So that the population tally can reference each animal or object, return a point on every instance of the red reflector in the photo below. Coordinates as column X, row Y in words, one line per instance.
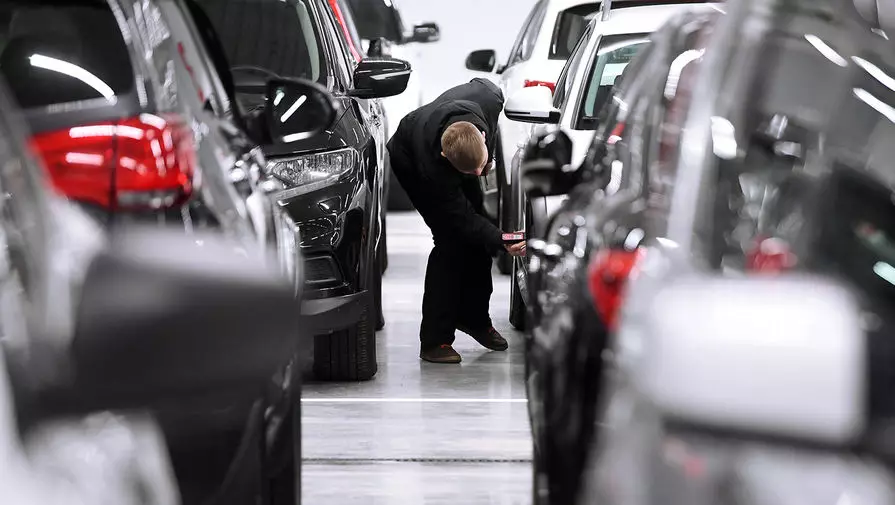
column 770, row 256
column 146, row 162
column 608, row 274
column 533, row 84
column 616, row 134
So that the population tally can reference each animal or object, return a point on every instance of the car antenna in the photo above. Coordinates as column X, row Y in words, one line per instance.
column 605, row 7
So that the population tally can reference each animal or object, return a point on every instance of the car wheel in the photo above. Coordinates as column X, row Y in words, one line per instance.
column 350, row 355
column 380, row 317
column 504, row 209
column 383, row 248
column 517, row 304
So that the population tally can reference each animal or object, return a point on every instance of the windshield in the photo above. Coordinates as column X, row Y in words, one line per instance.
column 614, row 54
column 570, row 25
column 264, row 37
column 377, row 19
column 54, row 52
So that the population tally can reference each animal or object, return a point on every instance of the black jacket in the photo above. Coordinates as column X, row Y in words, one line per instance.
column 449, row 201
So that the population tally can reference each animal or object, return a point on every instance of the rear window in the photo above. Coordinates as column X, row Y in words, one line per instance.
column 377, row 19
column 263, row 37
column 54, row 52
column 570, row 25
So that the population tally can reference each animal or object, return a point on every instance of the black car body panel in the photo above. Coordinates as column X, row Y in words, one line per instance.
column 169, row 71
column 340, row 217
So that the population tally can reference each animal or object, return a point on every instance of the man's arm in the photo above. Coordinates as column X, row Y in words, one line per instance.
column 449, row 211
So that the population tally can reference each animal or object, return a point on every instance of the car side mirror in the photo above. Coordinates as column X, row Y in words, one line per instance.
column 380, row 78
column 546, row 168
column 425, row 33
column 532, row 105
column 780, row 357
column 484, row 60
column 296, row 109
column 163, row 319
column 379, row 48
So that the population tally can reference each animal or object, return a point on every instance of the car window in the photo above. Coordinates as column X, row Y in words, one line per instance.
column 570, row 26
column 269, row 36
column 194, row 53
column 349, row 28
column 527, row 45
column 567, row 76
column 377, row 19
column 523, row 33
column 57, row 52
column 614, row 53
column 345, row 64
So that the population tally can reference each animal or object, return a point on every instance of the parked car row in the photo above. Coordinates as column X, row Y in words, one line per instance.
column 708, row 313
column 186, row 213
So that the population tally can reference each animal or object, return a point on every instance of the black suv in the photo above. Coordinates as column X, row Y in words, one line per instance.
column 330, row 185
column 137, row 122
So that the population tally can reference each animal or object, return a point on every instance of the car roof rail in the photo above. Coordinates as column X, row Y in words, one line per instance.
column 606, row 6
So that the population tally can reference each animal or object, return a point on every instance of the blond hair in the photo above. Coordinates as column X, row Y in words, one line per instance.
column 461, row 144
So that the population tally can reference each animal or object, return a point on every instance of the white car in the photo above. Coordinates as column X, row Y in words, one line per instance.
column 608, row 45
column 543, row 45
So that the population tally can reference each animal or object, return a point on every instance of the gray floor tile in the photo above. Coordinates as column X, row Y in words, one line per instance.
column 421, row 433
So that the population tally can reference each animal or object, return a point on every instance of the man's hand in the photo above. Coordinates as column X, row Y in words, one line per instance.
column 487, row 169
column 517, row 249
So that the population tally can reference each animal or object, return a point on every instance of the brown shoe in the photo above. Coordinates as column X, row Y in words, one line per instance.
column 441, row 354
column 489, row 338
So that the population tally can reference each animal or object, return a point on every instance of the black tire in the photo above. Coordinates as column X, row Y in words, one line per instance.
column 380, row 316
column 517, row 304
column 397, row 197
column 383, row 248
column 348, row 355
column 504, row 208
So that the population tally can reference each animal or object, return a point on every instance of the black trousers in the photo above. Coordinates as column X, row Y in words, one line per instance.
column 458, row 277
column 457, row 292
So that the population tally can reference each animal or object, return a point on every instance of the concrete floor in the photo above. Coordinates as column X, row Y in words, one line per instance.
column 419, row 432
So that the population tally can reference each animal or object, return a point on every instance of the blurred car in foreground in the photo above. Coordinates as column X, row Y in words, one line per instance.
column 140, row 322
column 608, row 45
column 382, row 31
column 330, row 185
column 705, row 176
column 162, row 141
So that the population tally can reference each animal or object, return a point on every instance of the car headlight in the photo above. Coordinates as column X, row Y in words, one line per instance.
column 311, row 168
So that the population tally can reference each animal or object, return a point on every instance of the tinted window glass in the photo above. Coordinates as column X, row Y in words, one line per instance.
column 377, row 19
column 570, row 25
column 59, row 52
column 272, row 36
column 530, row 37
column 522, row 32
column 613, row 55
column 567, row 76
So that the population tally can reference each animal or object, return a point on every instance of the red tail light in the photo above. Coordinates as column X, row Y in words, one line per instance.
column 533, row 84
column 770, row 256
column 608, row 274
column 146, row 162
